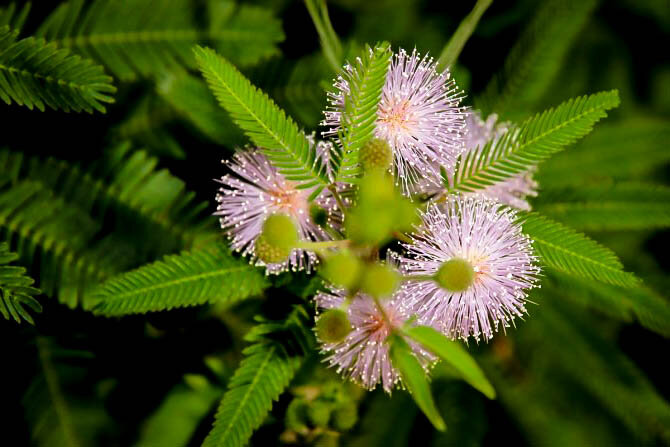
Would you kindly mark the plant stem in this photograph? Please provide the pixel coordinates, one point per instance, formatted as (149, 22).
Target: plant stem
(330, 44)
(338, 198)
(309, 245)
(418, 278)
(455, 45)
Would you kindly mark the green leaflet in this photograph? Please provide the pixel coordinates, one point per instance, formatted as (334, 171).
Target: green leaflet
(190, 97)
(330, 43)
(188, 279)
(566, 250)
(262, 120)
(136, 38)
(453, 48)
(623, 206)
(37, 74)
(16, 289)
(268, 367)
(455, 355)
(360, 109)
(538, 138)
(415, 378)
(178, 416)
(149, 211)
(15, 19)
(536, 58)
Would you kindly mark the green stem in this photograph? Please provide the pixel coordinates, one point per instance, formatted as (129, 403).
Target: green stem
(455, 45)
(418, 278)
(338, 198)
(314, 246)
(330, 44)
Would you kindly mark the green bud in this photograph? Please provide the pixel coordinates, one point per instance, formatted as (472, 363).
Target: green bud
(296, 415)
(345, 416)
(379, 280)
(455, 275)
(318, 413)
(333, 326)
(278, 237)
(372, 221)
(342, 269)
(375, 154)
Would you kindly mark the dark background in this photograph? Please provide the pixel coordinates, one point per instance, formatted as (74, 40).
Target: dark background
(143, 367)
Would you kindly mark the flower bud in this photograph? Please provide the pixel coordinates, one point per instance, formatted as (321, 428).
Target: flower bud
(345, 416)
(379, 280)
(319, 412)
(333, 326)
(278, 237)
(455, 275)
(375, 154)
(342, 269)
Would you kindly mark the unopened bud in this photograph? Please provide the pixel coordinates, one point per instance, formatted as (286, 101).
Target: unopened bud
(277, 239)
(342, 269)
(375, 154)
(379, 280)
(333, 326)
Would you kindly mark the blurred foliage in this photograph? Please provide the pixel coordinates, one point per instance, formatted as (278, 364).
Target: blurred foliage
(84, 198)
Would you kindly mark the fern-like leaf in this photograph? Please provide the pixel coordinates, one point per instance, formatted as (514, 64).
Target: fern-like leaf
(125, 212)
(262, 120)
(623, 206)
(12, 17)
(202, 276)
(360, 109)
(16, 289)
(191, 99)
(534, 141)
(622, 150)
(535, 60)
(147, 124)
(267, 369)
(37, 74)
(566, 250)
(137, 38)
(642, 303)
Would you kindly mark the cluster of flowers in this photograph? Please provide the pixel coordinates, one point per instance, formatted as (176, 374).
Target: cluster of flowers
(465, 269)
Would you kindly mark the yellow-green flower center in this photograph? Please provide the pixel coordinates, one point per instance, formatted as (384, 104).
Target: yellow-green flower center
(455, 275)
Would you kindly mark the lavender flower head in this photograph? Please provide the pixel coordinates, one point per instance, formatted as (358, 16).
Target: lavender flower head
(253, 191)
(418, 116)
(472, 234)
(363, 356)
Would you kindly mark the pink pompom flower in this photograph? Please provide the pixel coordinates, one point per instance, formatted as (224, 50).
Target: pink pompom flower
(419, 116)
(495, 267)
(254, 190)
(363, 356)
